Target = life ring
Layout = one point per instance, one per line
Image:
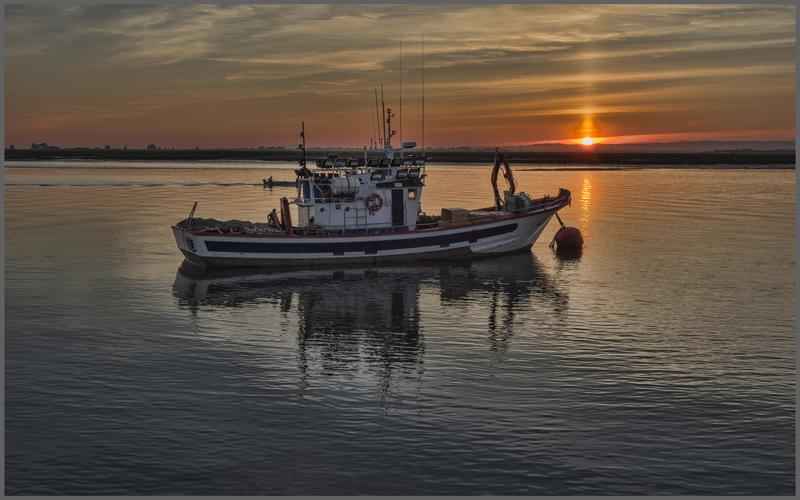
(373, 202)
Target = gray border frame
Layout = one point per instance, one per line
(3, 243)
(644, 3)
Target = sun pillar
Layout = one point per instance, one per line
(587, 130)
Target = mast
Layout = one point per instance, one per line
(390, 133)
(303, 143)
(383, 122)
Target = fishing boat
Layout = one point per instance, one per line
(369, 211)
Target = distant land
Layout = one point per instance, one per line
(678, 153)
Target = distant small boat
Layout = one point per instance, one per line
(369, 212)
(270, 183)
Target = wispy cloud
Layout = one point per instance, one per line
(539, 67)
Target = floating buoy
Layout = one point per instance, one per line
(568, 241)
(569, 238)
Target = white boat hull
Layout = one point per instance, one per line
(484, 239)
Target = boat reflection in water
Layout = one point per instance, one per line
(348, 316)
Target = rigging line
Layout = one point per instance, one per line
(383, 114)
(373, 128)
(377, 119)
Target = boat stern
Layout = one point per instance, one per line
(188, 244)
(183, 239)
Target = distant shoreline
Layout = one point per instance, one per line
(577, 168)
(776, 159)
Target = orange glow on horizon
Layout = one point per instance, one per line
(668, 137)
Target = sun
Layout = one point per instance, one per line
(587, 141)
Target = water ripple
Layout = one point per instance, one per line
(661, 361)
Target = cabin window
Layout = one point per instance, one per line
(317, 192)
(306, 190)
(412, 194)
(190, 242)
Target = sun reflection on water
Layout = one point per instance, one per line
(586, 202)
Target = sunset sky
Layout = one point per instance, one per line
(246, 75)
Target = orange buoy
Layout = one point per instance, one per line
(568, 241)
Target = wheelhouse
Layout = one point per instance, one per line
(374, 193)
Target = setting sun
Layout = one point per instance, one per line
(587, 141)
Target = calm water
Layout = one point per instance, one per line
(660, 362)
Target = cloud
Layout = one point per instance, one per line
(480, 60)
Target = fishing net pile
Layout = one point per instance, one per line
(199, 224)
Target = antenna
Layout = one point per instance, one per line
(423, 96)
(371, 128)
(373, 134)
(401, 99)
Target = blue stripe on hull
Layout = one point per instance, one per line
(369, 247)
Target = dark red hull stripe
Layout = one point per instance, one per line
(355, 246)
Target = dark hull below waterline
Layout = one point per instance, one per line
(455, 254)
